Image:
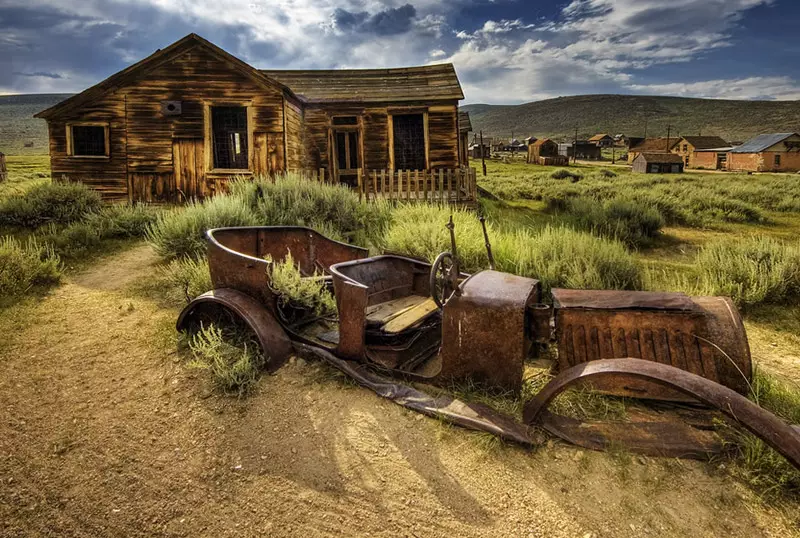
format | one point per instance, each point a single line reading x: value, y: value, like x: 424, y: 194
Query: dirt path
x: 105, y: 432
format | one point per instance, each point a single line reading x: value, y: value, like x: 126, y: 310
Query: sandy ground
x: 106, y: 432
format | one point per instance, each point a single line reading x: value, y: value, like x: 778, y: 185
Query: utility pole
x: 575, y: 147
x: 483, y: 155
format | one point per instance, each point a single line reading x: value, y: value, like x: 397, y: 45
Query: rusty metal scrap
x: 776, y: 433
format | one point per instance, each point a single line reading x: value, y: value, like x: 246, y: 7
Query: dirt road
x: 106, y: 432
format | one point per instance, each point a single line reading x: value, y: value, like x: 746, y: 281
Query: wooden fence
x: 451, y: 185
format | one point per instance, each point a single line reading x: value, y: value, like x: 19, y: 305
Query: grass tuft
x: 234, y: 369
x: 25, y: 265
x: 307, y: 293
x: 189, y: 275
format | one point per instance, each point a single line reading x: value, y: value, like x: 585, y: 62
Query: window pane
x: 409, y: 142
x: 89, y: 140
x: 229, y: 137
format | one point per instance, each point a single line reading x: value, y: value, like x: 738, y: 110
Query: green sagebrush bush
x: 751, y: 271
x: 50, y: 203
x: 189, y: 275
x: 557, y: 256
x: 292, y: 200
x: 563, y: 173
x: 233, y: 360
x: 111, y: 222
x: 633, y: 223
x: 290, y: 286
x: 25, y: 265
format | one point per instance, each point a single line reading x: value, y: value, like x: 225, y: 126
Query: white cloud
x: 782, y: 88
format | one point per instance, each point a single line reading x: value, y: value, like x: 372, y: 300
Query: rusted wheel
x: 443, y: 279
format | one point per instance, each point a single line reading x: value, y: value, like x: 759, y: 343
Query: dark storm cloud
x: 390, y: 21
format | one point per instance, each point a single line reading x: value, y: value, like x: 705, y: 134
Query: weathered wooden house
x: 602, y: 140
x: 652, y: 145
x: 778, y: 152
x: 545, y: 152
x: 464, y: 128
x: 700, y: 151
x: 584, y: 149
x: 183, y: 121
x: 658, y: 163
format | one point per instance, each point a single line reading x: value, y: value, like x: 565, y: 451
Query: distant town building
x: 658, y: 163
x: 584, y: 149
x: 777, y: 152
x: 602, y: 140
x: 694, y: 150
x: 545, y: 152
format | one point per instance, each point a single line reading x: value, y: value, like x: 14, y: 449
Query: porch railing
x: 443, y: 185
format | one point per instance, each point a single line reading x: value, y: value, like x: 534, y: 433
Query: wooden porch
x: 452, y: 185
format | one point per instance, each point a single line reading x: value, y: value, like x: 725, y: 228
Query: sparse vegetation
x: 333, y: 210
x: 24, y: 265
x: 632, y: 223
x: 752, y: 271
x: 294, y: 290
x: 189, y: 275
x: 49, y: 203
x: 233, y: 359
x: 557, y: 256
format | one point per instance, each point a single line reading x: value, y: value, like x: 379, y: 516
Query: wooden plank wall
x: 106, y: 175
x: 295, y: 154
x: 443, y: 131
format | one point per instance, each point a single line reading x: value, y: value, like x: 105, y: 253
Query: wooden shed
x: 183, y: 121
x: 602, y: 140
x: 545, y: 152
x: 658, y: 163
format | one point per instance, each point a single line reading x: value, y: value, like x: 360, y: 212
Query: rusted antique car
x: 402, y: 320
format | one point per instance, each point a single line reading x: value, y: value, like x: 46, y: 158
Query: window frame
x: 777, y: 160
x: 390, y: 128
x: 71, y: 143
x: 209, y: 138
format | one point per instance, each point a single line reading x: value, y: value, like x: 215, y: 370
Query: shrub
x: 25, y: 265
x: 311, y: 293
x: 56, y: 203
x: 606, y: 173
x: 556, y: 256
x: 123, y: 220
x: 189, y: 275
x: 750, y: 271
x: 632, y: 223
x: 332, y: 209
x: 291, y: 200
x: 75, y: 239
x: 233, y: 368
x: 180, y: 231
x: 563, y: 173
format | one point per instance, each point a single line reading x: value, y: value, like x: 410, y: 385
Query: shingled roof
x: 706, y: 142
x: 372, y: 85
x: 762, y: 142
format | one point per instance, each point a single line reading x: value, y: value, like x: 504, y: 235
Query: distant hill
x: 591, y: 114
x: 18, y: 126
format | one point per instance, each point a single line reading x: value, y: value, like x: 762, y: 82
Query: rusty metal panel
x: 701, y: 335
x: 483, y: 330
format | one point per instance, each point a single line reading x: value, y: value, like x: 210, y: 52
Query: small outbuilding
x: 545, y: 152
x: 651, y: 145
x: 584, y: 149
x: 658, y: 163
x: 777, y: 152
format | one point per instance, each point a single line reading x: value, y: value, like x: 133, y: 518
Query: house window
x: 347, y: 150
x: 229, y: 137
x: 409, y: 141
x: 777, y: 160
x: 88, y: 140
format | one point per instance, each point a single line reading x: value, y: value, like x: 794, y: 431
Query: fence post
x: 391, y: 185
x: 3, y: 169
x: 441, y: 185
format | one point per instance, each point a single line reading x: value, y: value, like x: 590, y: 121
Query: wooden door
x: 188, y: 160
x: 347, y: 152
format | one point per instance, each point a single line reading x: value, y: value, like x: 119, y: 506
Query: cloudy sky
x: 505, y: 51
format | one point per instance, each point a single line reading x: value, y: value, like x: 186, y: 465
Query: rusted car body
x: 390, y: 330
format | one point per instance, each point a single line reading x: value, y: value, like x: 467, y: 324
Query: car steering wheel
x: 443, y: 279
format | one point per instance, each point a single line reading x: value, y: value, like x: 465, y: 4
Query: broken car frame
x: 402, y: 320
